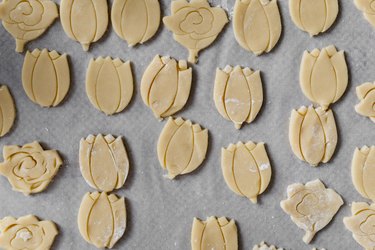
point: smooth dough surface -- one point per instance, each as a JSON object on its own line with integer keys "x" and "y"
{"x": 46, "y": 77}
{"x": 366, "y": 95}
{"x": 26, "y": 232}
{"x": 246, "y": 169}
{"x": 29, "y": 168}
{"x": 313, "y": 134}
{"x": 102, "y": 219}
{"x": 7, "y": 110}
{"x": 214, "y": 234}
{"x": 109, "y": 84}
{"x": 135, "y": 21}
{"x": 195, "y": 24}
{"x": 182, "y": 146}
{"x": 311, "y": 206}
{"x": 368, "y": 9}
{"x": 165, "y": 86}
{"x": 264, "y": 246}
{"x": 257, "y": 24}
{"x": 26, "y": 20}
{"x": 238, "y": 94}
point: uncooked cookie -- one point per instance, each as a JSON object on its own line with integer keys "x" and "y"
{"x": 109, "y": 84}
{"x": 313, "y": 17}
{"x": 7, "y": 110}
{"x": 84, "y": 21}
{"x": 26, "y": 20}
{"x": 214, "y": 234}
{"x": 264, "y": 246}
{"x": 195, "y": 24}
{"x": 311, "y": 206}
{"x": 238, "y": 94}
{"x": 257, "y": 24}
{"x": 135, "y": 21}
{"x": 363, "y": 171}
{"x": 246, "y": 169}
{"x": 182, "y": 147}
{"x": 366, "y": 95}
{"x": 104, "y": 162}
{"x": 368, "y": 9}
{"x": 165, "y": 86}
{"x": 26, "y": 232}
{"x": 45, "y": 77}
{"x": 29, "y": 168}
{"x": 324, "y": 75}
{"x": 313, "y": 134}
{"x": 102, "y": 219}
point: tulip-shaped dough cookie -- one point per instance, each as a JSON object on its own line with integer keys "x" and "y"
{"x": 363, "y": 171}
{"x": 182, "y": 147}
{"x": 26, "y": 20}
{"x": 264, "y": 246}
{"x": 324, "y": 75}
{"x": 238, "y": 94}
{"x": 366, "y": 95}
{"x": 311, "y": 206}
{"x": 257, "y": 24}
{"x": 7, "y": 110}
{"x": 214, "y": 234}
{"x": 246, "y": 169}
{"x": 313, "y": 134}
{"x": 368, "y": 9}
{"x": 195, "y": 24}
{"x": 165, "y": 86}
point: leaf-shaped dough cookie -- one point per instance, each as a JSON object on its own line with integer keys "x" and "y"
{"x": 7, "y": 110}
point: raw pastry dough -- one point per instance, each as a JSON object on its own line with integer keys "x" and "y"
{"x": 366, "y": 94}
{"x": 368, "y": 9}
{"x": 104, "y": 162}
{"x": 195, "y": 24}
{"x": 264, "y": 246}
{"x": 7, "y": 110}
{"x": 84, "y": 21}
{"x": 246, "y": 169}
{"x": 214, "y": 234}
{"x": 26, "y": 232}
{"x": 26, "y": 20}
{"x": 257, "y": 24}
{"x": 102, "y": 219}
{"x": 45, "y": 77}
{"x": 29, "y": 168}
{"x": 182, "y": 147}
{"x": 109, "y": 84}
{"x": 313, "y": 134}
{"x": 311, "y": 206}
{"x": 165, "y": 86}
{"x": 324, "y": 75}
{"x": 135, "y": 21}
{"x": 238, "y": 94}
{"x": 363, "y": 171}
{"x": 315, "y": 16}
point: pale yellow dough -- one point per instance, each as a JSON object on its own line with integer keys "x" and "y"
{"x": 368, "y": 9}
{"x": 165, "y": 86}
{"x": 366, "y": 95}
{"x": 45, "y": 77}
{"x": 195, "y": 24}
{"x": 135, "y": 21}
{"x": 7, "y": 110}
{"x": 26, "y": 20}
{"x": 246, "y": 169}
{"x": 311, "y": 207}
{"x": 109, "y": 84}
{"x": 257, "y": 24}
{"x": 238, "y": 94}
{"x": 313, "y": 134}
{"x": 84, "y": 21}
{"x": 29, "y": 168}
{"x": 264, "y": 246}
{"x": 26, "y": 232}
{"x": 102, "y": 219}
{"x": 182, "y": 147}
{"x": 324, "y": 75}
{"x": 315, "y": 16}
{"x": 214, "y": 234}
{"x": 104, "y": 162}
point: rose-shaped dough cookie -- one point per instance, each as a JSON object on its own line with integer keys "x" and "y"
{"x": 29, "y": 168}
{"x": 311, "y": 207}
{"x": 368, "y": 9}
{"x": 26, "y": 20}
{"x": 7, "y": 110}
{"x": 363, "y": 171}
{"x": 165, "y": 86}
{"x": 195, "y": 24}
{"x": 26, "y": 232}
{"x": 264, "y": 246}
{"x": 366, "y": 94}
{"x": 214, "y": 234}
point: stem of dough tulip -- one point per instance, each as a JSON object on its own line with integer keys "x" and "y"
{"x": 20, "y": 45}
{"x": 308, "y": 237}
{"x": 193, "y": 55}
{"x": 86, "y": 46}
